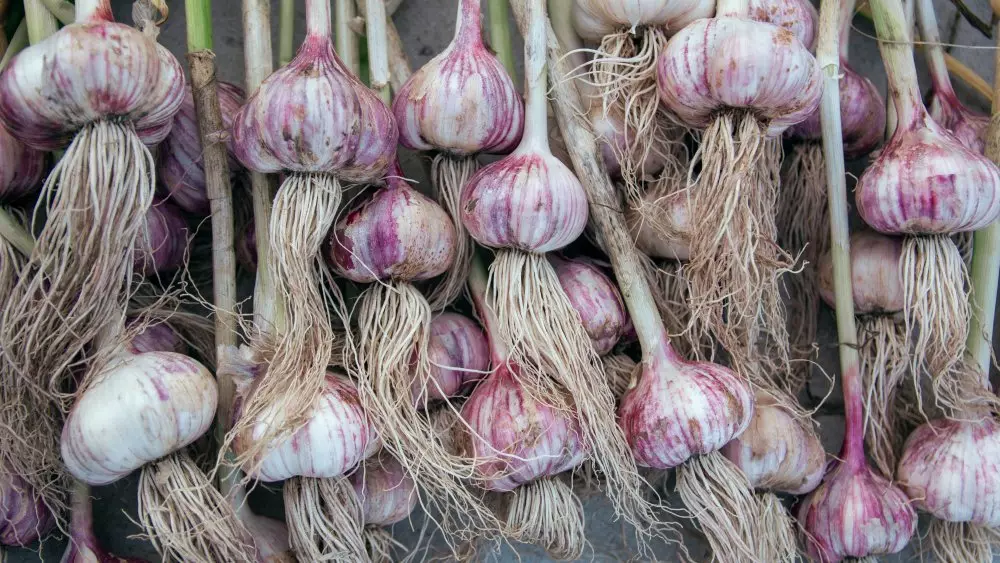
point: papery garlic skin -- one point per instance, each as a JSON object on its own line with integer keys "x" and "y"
{"x": 862, "y": 116}
{"x": 680, "y": 409}
{"x": 596, "y": 299}
{"x": 875, "y": 278}
{"x": 21, "y": 168}
{"x": 313, "y": 115}
{"x": 23, "y": 516}
{"x": 951, "y": 468}
{"x": 462, "y": 101}
{"x": 528, "y": 201}
{"x": 663, "y": 213}
{"x": 856, "y": 513}
{"x": 966, "y": 126}
{"x": 270, "y": 537}
{"x": 797, "y": 16}
{"x": 91, "y": 70}
{"x": 609, "y": 128}
{"x": 777, "y": 452}
{"x": 140, "y": 409}
{"x": 728, "y": 63}
{"x": 157, "y": 337}
{"x": 593, "y": 19}
{"x": 515, "y": 439}
{"x": 162, "y": 245}
{"x": 180, "y": 168}
{"x": 337, "y": 436}
{"x": 397, "y": 234}
{"x": 387, "y": 493}
{"x": 926, "y": 182}
{"x": 459, "y": 356}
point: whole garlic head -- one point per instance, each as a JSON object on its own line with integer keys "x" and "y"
{"x": 529, "y": 201}
{"x": 593, "y": 19}
{"x": 951, "y": 468}
{"x": 609, "y": 128}
{"x": 515, "y": 439}
{"x": 90, "y": 70}
{"x": 680, "y": 409}
{"x": 162, "y": 245}
{"x": 875, "y": 278}
{"x": 778, "y": 452}
{"x": 856, "y": 513}
{"x": 21, "y": 168}
{"x": 462, "y": 101}
{"x": 927, "y": 182}
{"x": 162, "y": 401}
{"x": 726, "y": 63}
{"x": 459, "y": 356}
{"x": 386, "y": 491}
{"x": 662, "y": 229}
{"x": 596, "y": 299}
{"x": 397, "y": 234}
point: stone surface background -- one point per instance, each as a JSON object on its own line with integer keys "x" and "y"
{"x": 426, "y": 26}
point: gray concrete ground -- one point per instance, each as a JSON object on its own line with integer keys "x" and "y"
{"x": 426, "y": 26}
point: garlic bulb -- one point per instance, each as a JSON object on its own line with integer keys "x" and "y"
{"x": 397, "y": 234}
{"x": 313, "y": 115}
{"x": 270, "y": 537}
{"x": 337, "y": 436}
{"x": 24, "y": 517}
{"x": 661, "y": 226}
{"x": 875, "y": 276}
{"x": 725, "y": 62}
{"x": 462, "y": 102}
{"x": 609, "y": 128}
{"x": 21, "y": 168}
{"x": 597, "y": 300}
{"x": 926, "y": 182}
{"x": 163, "y": 243}
{"x": 778, "y": 452}
{"x": 90, "y": 70}
{"x": 162, "y": 401}
{"x": 515, "y": 439}
{"x": 856, "y": 513}
{"x": 157, "y": 337}
{"x": 797, "y": 16}
{"x": 529, "y": 201}
{"x": 949, "y": 468}
{"x": 459, "y": 356}
{"x": 862, "y": 115}
{"x": 387, "y": 494}
{"x": 593, "y": 19}
{"x": 680, "y": 409}
{"x": 180, "y": 169}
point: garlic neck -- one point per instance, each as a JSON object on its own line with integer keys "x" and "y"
{"x": 732, "y": 9}
{"x": 93, "y": 11}
{"x": 468, "y": 24}
{"x": 318, "y": 18}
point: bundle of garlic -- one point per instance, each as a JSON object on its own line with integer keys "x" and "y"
{"x": 329, "y": 127}
{"x": 526, "y": 205}
{"x": 461, "y": 103}
{"x": 802, "y": 220}
{"x": 180, "y": 167}
{"x": 744, "y": 82}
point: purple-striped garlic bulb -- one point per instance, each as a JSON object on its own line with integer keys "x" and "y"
{"x": 729, "y": 63}
{"x": 180, "y": 169}
{"x": 270, "y": 537}
{"x": 679, "y": 409}
{"x": 597, "y": 300}
{"x": 91, "y": 70}
{"x": 515, "y": 439}
{"x": 386, "y": 492}
{"x": 856, "y": 513}
{"x": 609, "y": 128}
{"x": 875, "y": 276}
{"x": 951, "y": 469}
{"x": 313, "y": 115}
{"x": 24, "y": 517}
{"x": 163, "y": 243}
{"x": 337, "y": 436}
{"x": 778, "y": 451}
{"x": 398, "y": 233}
{"x": 462, "y": 102}
{"x": 21, "y": 168}
{"x": 661, "y": 226}
{"x": 459, "y": 356}
{"x": 157, "y": 337}
{"x": 797, "y": 16}
{"x": 594, "y": 19}
{"x": 162, "y": 401}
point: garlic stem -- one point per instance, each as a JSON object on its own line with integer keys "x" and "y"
{"x": 846, "y": 19}
{"x": 88, "y": 10}
{"x": 399, "y": 65}
{"x": 198, "y": 17}
{"x": 347, "y": 43}
{"x": 985, "y": 271}
{"x": 828, "y": 57}
{"x": 478, "y": 280}
{"x": 536, "y": 105}
{"x": 62, "y": 10}
{"x": 318, "y": 18}
{"x": 561, "y": 16}
{"x": 500, "y": 38}
{"x": 895, "y": 40}
{"x": 378, "y": 52}
{"x": 931, "y": 37}
{"x": 13, "y": 232}
{"x": 17, "y": 43}
{"x": 41, "y": 22}
{"x": 81, "y": 524}
{"x": 286, "y": 31}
